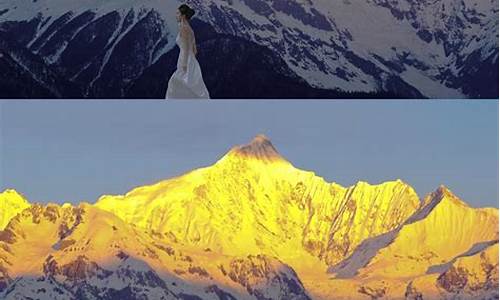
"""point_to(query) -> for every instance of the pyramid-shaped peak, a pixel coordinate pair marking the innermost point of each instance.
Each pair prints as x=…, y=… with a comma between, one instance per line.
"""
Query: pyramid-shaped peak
x=261, y=138
x=441, y=195
x=260, y=148
x=260, y=141
x=443, y=192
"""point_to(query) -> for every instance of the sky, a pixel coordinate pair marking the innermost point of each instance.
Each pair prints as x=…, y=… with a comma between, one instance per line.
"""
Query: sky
x=73, y=151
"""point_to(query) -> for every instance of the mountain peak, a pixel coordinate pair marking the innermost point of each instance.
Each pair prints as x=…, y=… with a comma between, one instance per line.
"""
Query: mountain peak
x=12, y=197
x=260, y=138
x=11, y=192
x=444, y=193
x=11, y=203
x=260, y=148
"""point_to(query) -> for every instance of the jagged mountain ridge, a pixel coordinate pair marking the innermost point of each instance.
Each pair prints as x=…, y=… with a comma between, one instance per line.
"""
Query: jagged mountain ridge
x=420, y=249
x=269, y=76
x=255, y=227
x=436, y=49
x=83, y=252
x=302, y=211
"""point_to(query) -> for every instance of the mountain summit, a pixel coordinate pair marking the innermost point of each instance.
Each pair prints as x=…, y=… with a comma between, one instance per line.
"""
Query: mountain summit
x=260, y=148
x=245, y=228
x=11, y=203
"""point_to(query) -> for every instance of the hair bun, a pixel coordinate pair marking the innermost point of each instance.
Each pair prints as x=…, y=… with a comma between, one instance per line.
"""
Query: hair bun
x=190, y=13
x=186, y=11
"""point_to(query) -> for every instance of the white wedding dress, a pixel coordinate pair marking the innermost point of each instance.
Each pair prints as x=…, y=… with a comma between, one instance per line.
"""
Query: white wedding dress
x=187, y=81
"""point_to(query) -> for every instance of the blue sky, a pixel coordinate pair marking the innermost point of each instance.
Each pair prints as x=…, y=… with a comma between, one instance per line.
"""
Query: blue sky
x=72, y=151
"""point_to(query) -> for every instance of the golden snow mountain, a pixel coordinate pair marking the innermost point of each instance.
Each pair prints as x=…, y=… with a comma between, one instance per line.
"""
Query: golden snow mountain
x=251, y=226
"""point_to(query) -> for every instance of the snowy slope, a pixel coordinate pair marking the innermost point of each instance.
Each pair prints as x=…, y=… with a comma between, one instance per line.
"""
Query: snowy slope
x=413, y=49
x=302, y=216
x=11, y=203
x=252, y=226
x=82, y=252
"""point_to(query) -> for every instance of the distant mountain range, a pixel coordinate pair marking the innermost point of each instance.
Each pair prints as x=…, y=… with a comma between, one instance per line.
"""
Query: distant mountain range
x=251, y=226
x=252, y=48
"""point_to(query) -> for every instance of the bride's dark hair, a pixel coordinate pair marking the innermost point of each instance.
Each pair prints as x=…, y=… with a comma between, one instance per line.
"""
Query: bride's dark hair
x=186, y=11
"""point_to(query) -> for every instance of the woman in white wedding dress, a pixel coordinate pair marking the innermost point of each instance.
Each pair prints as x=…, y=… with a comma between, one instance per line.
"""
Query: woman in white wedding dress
x=187, y=81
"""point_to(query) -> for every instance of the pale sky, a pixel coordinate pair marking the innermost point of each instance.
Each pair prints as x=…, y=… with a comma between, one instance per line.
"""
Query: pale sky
x=72, y=151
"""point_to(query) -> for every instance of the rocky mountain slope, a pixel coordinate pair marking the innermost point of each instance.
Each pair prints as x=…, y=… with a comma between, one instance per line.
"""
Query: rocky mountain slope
x=252, y=226
x=316, y=48
x=54, y=252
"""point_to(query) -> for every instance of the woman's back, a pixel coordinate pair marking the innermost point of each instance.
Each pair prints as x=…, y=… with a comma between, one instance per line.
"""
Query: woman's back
x=185, y=39
x=187, y=81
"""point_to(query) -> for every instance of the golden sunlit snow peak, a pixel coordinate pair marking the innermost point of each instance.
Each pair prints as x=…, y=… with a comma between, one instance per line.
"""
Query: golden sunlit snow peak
x=252, y=218
x=260, y=148
x=253, y=201
x=11, y=203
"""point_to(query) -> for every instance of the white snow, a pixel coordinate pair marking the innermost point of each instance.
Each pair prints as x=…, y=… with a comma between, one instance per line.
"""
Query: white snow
x=373, y=28
x=429, y=87
x=349, y=267
x=475, y=249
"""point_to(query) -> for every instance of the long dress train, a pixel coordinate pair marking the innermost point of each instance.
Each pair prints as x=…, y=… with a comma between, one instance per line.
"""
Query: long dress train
x=187, y=81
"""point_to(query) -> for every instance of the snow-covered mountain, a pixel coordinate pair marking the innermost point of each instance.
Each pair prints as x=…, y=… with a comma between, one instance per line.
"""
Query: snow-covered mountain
x=11, y=203
x=82, y=252
x=311, y=48
x=252, y=226
x=302, y=214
